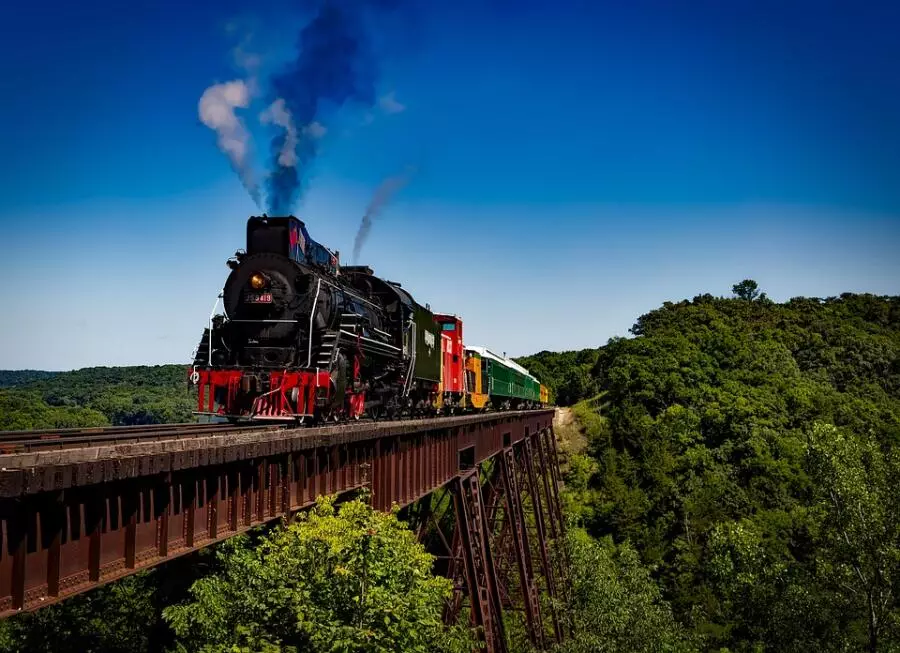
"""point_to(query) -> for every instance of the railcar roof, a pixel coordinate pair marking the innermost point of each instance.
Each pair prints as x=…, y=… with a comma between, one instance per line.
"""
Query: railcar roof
x=484, y=352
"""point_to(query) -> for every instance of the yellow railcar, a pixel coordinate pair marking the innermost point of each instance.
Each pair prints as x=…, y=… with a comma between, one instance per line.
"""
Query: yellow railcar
x=478, y=394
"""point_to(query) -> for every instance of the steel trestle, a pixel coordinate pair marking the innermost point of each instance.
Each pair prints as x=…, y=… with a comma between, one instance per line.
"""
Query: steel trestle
x=480, y=491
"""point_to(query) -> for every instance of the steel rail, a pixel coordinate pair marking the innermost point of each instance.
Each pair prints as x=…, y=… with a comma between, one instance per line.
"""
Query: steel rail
x=26, y=441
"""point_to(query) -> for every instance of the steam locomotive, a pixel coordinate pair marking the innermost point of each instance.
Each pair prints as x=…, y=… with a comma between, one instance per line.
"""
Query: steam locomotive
x=302, y=338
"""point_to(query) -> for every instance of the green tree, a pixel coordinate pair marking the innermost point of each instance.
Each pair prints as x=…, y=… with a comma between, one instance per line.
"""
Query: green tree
x=747, y=290
x=338, y=579
x=95, y=396
x=616, y=605
x=566, y=374
x=21, y=410
x=116, y=618
x=858, y=498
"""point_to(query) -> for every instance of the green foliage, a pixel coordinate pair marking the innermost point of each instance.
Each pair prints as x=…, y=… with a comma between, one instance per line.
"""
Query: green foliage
x=708, y=461
x=748, y=290
x=857, y=503
x=11, y=378
x=338, y=579
x=616, y=605
x=21, y=410
x=566, y=374
x=110, y=619
x=96, y=396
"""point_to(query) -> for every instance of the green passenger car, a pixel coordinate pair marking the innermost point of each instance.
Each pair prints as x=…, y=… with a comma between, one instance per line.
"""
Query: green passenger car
x=506, y=382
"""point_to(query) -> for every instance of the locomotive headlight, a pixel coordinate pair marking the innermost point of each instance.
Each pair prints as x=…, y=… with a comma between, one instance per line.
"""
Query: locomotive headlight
x=257, y=281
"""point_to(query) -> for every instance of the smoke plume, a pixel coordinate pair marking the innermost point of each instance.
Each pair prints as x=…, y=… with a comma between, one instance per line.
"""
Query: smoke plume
x=217, y=111
x=334, y=65
x=383, y=194
x=278, y=115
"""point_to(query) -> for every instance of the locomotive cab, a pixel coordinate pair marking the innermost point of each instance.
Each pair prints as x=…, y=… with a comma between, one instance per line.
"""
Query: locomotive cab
x=287, y=236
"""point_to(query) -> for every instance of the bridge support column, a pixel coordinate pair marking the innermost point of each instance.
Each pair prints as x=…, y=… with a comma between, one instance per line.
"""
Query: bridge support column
x=506, y=523
x=516, y=519
x=481, y=575
x=527, y=459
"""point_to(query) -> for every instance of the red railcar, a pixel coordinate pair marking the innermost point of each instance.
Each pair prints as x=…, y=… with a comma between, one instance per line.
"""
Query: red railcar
x=453, y=380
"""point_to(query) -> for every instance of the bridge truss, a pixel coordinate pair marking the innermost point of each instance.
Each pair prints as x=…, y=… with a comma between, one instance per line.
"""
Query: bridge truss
x=481, y=490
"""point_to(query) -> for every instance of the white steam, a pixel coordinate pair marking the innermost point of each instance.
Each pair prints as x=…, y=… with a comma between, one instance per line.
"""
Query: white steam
x=389, y=103
x=315, y=129
x=217, y=111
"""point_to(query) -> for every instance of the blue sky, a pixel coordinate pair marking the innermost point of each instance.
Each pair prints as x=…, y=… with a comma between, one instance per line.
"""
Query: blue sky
x=578, y=163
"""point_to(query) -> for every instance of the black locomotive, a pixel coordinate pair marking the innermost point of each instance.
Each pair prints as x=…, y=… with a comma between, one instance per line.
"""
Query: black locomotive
x=303, y=338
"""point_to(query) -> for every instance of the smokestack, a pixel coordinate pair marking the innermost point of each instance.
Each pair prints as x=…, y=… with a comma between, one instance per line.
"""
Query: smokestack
x=217, y=111
x=383, y=194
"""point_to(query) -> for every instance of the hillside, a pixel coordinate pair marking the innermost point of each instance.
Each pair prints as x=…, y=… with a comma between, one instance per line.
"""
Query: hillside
x=95, y=396
x=567, y=374
x=10, y=378
x=748, y=451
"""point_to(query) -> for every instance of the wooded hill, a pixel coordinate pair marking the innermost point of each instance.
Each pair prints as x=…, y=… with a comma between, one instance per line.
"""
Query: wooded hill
x=748, y=451
x=95, y=396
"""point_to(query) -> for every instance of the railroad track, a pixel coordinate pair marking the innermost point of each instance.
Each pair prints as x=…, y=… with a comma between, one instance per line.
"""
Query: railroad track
x=41, y=439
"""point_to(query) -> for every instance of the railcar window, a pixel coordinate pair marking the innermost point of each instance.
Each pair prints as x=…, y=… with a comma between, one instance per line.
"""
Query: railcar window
x=448, y=326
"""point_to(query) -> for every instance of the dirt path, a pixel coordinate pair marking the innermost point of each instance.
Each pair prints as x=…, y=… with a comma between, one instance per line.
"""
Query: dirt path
x=563, y=417
x=568, y=432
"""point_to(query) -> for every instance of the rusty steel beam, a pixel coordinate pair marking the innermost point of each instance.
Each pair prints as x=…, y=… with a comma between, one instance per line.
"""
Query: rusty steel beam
x=481, y=576
x=517, y=523
x=534, y=493
x=552, y=474
x=75, y=518
x=484, y=551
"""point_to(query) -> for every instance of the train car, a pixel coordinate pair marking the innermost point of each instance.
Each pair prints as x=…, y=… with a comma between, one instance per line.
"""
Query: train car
x=420, y=342
x=453, y=390
x=477, y=396
x=505, y=384
x=530, y=388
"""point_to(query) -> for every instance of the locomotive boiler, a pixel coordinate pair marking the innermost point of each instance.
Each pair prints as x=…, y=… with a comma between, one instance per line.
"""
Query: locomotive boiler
x=300, y=337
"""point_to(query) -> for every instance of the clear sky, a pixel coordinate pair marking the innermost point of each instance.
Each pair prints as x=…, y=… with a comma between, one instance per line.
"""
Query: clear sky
x=578, y=163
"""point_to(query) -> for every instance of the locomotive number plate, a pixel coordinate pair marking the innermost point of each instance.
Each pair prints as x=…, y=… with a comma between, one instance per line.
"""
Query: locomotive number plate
x=258, y=298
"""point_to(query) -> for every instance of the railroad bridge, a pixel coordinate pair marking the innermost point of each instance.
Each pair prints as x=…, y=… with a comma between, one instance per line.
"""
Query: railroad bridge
x=80, y=508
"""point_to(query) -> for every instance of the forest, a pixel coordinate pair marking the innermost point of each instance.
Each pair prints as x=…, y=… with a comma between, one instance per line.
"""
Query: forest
x=732, y=483
x=747, y=451
x=94, y=396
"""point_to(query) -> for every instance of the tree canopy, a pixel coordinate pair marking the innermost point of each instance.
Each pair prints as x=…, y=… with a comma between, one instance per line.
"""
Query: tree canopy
x=748, y=455
x=340, y=579
x=748, y=290
x=566, y=374
x=95, y=396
